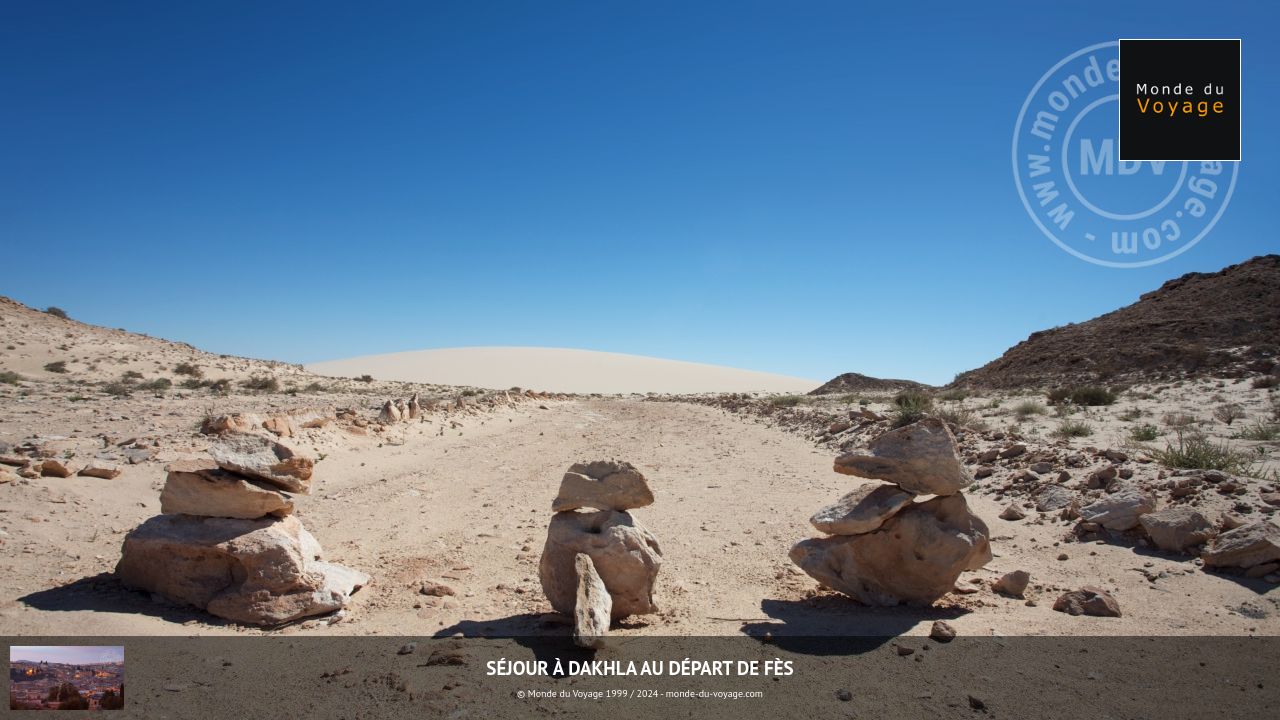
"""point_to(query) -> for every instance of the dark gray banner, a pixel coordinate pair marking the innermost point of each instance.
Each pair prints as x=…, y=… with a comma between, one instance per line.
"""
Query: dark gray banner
x=729, y=677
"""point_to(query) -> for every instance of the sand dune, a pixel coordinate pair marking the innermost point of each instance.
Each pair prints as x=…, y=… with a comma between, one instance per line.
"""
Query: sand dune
x=559, y=370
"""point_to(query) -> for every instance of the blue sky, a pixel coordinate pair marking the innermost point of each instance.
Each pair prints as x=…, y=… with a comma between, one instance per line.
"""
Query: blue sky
x=802, y=188
x=69, y=654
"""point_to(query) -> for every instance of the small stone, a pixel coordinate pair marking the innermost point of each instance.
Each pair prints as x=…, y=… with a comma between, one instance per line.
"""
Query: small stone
x=1088, y=601
x=942, y=631
x=435, y=589
x=1013, y=583
x=1012, y=512
x=56, y=468
x=407, y=649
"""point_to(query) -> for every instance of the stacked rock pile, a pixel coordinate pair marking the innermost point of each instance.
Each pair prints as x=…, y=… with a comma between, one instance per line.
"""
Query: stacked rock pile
x=228, y=542
x=887, y=547
x=599, y=563
x=400, y=410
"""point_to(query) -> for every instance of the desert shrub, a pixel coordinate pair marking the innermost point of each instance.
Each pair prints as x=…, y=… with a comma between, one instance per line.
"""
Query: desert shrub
x=9, y=377
x=1260, y=430
x=786, y=400
x=1179, y=420
x=221, y=386
x=157, y=385
x=1027, y=408
x=1131, y=414
x=1195, y=451
x=1228, y=413
x=911, y=406
x=1145, y=432
x=57, y=312
x=261, y=383
x=188, y=369
x=193, y=384
x=58, y=366
x=131, y=375
x=1092, y=395
x=470, y=393
x=116, y=388
x=365, y=378
x=954, y=394
x=994, y=404
x=1073, y=429
x=1264, y=382
x=1057, y=396
x=315, y=387
x=963, y=417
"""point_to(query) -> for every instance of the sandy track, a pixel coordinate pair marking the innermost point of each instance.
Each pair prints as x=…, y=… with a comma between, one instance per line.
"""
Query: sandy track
x=469, y=508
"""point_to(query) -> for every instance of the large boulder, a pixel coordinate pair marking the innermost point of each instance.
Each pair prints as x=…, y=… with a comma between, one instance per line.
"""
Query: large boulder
x=1257, y=543
x=603, y=485
x=593, y=606
x=625, y=555
x=861, y=511
x=919, y=458
x=915, y=557
x=259, y=572
x=261, y=457
x=1177, y=528
x=1119, y=511
x=200, y=487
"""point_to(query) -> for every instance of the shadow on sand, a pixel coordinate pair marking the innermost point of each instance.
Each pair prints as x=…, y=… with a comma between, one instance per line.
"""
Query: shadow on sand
x=104, y=593
x=837, y=625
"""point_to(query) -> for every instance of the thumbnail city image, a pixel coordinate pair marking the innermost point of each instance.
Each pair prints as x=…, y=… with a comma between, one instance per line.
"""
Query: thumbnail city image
x=66, y=677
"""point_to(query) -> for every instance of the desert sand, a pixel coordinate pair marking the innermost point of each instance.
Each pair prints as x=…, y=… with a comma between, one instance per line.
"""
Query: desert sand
x=559, y=370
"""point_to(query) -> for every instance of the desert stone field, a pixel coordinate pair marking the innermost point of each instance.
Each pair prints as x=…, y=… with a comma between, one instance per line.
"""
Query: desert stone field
x=135, y=500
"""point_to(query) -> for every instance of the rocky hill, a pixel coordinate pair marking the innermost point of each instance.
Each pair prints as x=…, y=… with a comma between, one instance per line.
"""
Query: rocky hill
x=1223, y=324
x=857, y=382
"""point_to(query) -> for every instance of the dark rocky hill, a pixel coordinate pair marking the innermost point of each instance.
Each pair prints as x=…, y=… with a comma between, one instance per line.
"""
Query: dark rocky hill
x=1225, y=323
x=856, y=382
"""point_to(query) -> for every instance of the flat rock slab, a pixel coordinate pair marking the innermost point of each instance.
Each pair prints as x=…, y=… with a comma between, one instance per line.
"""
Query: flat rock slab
x=261, y=457
x=1257, y=543
x=602, y=485
x=1119, y=511
x=257, y=572
x=1178, y=528
x=625, y=555
x=100, y=469
x=593, y=606
x=862, y=510
x=1052, y=497
x=919, y=458
x=914, y=558
x=200, y=487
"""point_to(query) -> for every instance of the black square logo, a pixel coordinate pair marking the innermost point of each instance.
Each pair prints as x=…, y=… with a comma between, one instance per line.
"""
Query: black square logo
x=1179, y=99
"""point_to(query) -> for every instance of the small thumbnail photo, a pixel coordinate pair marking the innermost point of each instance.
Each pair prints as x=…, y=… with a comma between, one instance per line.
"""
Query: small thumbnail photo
x=66, y=677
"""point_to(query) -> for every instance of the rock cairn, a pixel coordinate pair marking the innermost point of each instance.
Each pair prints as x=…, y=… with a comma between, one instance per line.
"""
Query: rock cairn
x=599, y=563
x=399, y=410
x=228, y=542
x=886, y=547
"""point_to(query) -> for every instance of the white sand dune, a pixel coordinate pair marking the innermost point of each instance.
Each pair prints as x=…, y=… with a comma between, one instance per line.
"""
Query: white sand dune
x=559, y=370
